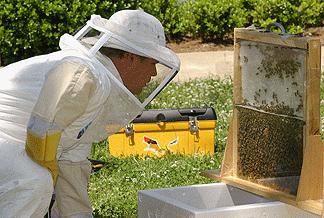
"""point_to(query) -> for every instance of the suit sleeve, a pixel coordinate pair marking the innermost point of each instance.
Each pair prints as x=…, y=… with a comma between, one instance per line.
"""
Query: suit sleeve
x=63, y=98
x=65, y=94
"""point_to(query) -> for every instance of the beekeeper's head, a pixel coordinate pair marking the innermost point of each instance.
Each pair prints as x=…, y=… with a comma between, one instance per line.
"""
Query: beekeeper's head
x=135, y=42
x=135, y=71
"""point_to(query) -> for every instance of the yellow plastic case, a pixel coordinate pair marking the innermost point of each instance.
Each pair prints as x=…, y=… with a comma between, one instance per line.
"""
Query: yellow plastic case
x=158, y=132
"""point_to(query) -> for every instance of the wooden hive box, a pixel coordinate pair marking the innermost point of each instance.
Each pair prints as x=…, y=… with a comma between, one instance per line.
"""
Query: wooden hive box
x=274, y=146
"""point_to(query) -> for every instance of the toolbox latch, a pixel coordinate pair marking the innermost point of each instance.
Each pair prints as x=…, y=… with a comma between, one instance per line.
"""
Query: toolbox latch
x=129, y=130
x=193, y=124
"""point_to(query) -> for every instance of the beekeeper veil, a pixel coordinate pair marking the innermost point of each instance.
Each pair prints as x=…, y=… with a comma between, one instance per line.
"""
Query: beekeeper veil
x=136, y=32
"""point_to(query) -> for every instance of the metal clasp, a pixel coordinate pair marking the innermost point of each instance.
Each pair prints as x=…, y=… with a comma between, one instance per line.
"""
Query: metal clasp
x=129, y=130
x=193, y=124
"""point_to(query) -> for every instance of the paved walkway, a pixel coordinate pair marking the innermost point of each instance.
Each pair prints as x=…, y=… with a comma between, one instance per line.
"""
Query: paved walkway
x=210, y=64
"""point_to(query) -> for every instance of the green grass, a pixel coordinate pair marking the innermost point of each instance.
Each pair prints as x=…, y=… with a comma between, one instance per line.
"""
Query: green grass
x=113, y=190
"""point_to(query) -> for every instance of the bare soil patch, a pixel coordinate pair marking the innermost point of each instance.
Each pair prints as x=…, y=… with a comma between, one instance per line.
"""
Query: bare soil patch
x=197, y=45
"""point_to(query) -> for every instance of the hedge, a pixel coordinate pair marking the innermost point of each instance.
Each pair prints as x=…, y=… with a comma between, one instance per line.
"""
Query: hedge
x=216, y=18
x=295, y=15
x=33, y=27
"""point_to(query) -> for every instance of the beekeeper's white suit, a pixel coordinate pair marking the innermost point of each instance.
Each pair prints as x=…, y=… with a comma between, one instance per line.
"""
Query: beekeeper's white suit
x=52, y=107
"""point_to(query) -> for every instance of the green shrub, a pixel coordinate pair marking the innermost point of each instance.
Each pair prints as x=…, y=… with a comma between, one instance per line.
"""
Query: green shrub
x=174, y=15
x=215, y=19
x=33, y=27
x=294, y=15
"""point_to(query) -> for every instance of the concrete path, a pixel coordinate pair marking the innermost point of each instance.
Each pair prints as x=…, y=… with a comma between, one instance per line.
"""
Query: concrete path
x=211, y=64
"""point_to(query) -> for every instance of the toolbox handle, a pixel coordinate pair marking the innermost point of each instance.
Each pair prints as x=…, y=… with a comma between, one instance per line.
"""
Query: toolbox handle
x=160, y=118
x=278, y=25
x=192, y=111
x=173, y=115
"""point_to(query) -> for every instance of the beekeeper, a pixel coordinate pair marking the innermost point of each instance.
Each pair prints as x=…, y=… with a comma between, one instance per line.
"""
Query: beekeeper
x=52, y=108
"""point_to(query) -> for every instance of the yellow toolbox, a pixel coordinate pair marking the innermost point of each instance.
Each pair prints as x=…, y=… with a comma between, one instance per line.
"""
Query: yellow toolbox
x=158, y=132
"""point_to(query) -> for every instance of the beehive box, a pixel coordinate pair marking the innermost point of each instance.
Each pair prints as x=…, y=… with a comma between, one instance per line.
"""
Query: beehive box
x=274, y=145
x=160, y=132
x=215, y=200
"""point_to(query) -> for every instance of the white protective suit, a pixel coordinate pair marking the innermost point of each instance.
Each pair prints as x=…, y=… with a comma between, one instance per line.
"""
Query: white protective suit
x=63, y=102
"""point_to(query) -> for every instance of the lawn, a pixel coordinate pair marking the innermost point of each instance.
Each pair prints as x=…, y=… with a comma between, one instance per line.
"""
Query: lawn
x=113, y=190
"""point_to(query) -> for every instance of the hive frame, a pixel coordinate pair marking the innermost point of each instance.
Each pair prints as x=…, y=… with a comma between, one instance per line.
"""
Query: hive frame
x=310, y=189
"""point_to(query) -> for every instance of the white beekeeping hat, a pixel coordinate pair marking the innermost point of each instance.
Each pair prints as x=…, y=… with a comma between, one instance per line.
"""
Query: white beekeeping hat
x=136, y=32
